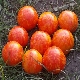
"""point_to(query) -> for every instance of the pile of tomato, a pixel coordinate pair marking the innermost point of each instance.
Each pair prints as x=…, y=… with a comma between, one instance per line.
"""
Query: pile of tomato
x=45, y=51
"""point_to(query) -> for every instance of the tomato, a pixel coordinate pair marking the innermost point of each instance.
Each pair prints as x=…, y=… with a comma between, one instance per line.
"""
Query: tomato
x=63, y=39
x=68, y=20
x=54, y=60
x=31, y=62
x=27, y=17
x=18, y=34
x=12, y=53
x=40, y=41
x=48, y=22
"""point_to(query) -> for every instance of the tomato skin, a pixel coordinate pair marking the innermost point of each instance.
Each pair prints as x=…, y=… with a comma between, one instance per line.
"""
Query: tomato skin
x=18, y=34
x=31, y=61
x=12, y=53
x=68, y=20
x=54, y=60
x=27, y=17
x=48, y=22
x=40, y=41
x=63, y=39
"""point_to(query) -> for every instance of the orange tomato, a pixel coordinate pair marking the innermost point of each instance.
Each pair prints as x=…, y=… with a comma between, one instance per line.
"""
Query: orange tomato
x=18, y=34
x=48, y=22
x=12, y=53
x=40, y=41
x=27, y=17
x=31, y=61
x=63, y=39
x=54, y=60
x=68, y=20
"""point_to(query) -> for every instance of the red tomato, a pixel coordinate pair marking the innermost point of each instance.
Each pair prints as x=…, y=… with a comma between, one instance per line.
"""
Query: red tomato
x=63, y=39
x=12, y=53
x=18, y=34
x=54, y=60
x=27, y=17
x=48, y=22
x=31, y=61
x=68, y=20
x=40, y=41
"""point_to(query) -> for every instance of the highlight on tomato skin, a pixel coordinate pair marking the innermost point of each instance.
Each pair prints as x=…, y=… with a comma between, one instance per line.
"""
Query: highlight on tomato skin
x=68, y=20
x=12, y=53
x=63, y=39
x=19, y=34
x=54, y=60
x=31, y=62
x=27, y=17
x=40, y=41
x=48, y=22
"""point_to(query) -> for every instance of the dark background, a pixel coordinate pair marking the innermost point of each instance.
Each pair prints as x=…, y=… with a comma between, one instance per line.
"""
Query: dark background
x=8, y=13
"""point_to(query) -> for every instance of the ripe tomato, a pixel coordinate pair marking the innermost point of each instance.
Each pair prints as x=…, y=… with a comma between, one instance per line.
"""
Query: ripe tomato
x=54, y=59
x=27, y=17
x=63, y=39
x=40, y=41
x=48, y=22
x=68, y=20
x=12, y=53
x=18, y=34
x=31, y=61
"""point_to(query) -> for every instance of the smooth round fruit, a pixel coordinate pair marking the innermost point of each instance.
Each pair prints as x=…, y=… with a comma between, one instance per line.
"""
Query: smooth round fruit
x=54, y=60
x=31, y=62
x=18, y=34
x=68, y=20
x=48, y=22
x=63, y=39
x=27, y=17
x=12, y=53
x=40, y=41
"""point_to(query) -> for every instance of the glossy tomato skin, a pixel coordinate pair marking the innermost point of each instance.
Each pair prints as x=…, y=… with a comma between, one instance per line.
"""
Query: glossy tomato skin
x=54, y=60
x=40, y=41
x=31, y=62
x=48, y=22
x=18, y=34
x=68, y=20
x=27, y=17
x=63, y=39
x=12, y=53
